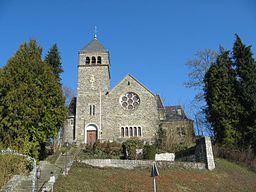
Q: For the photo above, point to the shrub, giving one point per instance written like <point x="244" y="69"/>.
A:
<point x="149" y="152"/>
<point x="112" y="149"/>
<point x="99" y="150"/>
<point x="247" y="157"/>
<point x="13" y="165"/>
<point x="130" y="146"/>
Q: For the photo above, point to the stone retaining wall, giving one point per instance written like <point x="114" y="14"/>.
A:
<point x="131" y="164"/>
<point x="15" y="181"/>
<point x="202" y="152"/>
<point x="11" y="184"/>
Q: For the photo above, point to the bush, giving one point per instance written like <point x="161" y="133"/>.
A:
<point x="112" y="149"/>
<point x="130" y="147"/>
<point x="149" y="152"/>
<point x="13" y="165"/>
<point x="99" y="150"/>
<point x="90" y="152"/>
<point x="247" y="157"/>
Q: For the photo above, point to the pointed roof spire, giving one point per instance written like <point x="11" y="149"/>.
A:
<point x="94" y="46"/>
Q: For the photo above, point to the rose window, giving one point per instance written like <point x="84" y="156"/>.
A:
<point x="130" y="101"/>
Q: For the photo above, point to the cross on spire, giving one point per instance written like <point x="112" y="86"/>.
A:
<point x="95" y="32"/>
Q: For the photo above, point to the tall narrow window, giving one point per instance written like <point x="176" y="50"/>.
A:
<point x="131" y="132"/>
<point x="87" y="60"/>
<point x="99" y="60"/>
<point x="139" y="131"/>
<point x="90" y="109"/>
<point x="71" y="122"/>
<point x="135" y="131"/>
<point x="93" y="110"/>
<point x="181" y="131"/>
<point x="122" y="132"/>
<point x="126" y="131"/>
<point x="93" y="60"/>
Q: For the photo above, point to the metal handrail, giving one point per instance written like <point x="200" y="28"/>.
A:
<point x="40" y="190"/>
<point x="14" y="152"/>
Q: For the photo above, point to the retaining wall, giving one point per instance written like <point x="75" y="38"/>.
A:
<point x="131" y="164"/>
<point x="202" y="152"/>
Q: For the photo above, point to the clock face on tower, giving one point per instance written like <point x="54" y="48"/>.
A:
<point x="130" y="101"/>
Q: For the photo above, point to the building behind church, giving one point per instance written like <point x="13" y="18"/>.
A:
<point x="127" y="110"/>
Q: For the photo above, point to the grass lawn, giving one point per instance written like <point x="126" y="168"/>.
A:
<point x="226" y="177"/>
<point x="52" y="158"/>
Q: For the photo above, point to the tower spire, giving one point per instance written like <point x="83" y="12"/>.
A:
<point x="95" y="32"/>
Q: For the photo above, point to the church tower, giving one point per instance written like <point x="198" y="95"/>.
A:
<point x="93" y="82"/>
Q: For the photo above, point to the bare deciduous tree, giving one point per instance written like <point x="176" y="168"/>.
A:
<point x="199" y="65"/>
<point x="68" y="93"/>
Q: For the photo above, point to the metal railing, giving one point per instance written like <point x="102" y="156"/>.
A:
<point x="13" y="152"/>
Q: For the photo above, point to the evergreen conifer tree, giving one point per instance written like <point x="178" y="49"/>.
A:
<point x="31" y="103"/>
<point x="245" y="66"/>
<point x="222" y="105"/>
<point x="54" y="60"/>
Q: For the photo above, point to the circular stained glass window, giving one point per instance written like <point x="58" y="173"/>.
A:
<point x="130" y="101"/>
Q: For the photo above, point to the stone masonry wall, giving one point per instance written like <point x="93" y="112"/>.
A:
<point x="131" y="164"/>
<point x="172" y="133"/>
<point x="68" y="130"/>
<point x="202" y="152"/>
<point x="115" y="116"/>
<point x="209" y="154"/>
<point x="91" y="81"/>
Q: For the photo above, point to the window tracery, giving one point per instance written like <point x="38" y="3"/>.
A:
<point x="130" y="101"/>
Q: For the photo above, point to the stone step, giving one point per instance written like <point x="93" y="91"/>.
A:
<point x="46" y="169"/>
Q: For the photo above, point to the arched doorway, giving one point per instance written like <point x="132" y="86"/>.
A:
<point x="91" y="134"/>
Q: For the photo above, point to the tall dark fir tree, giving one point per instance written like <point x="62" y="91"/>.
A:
<point x="54" y="60"/>
<point x="246" y="75"/>
<point x="223" y="108"/>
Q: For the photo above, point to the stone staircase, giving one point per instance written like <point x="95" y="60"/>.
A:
<point x="61" y="166"/>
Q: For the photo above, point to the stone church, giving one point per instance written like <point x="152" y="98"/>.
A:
<point x="127" y="110"/>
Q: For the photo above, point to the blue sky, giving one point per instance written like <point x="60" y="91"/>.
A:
<point x="151" y="40"/>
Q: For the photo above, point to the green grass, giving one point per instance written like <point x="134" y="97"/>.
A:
<point x="226" y="177"/>
<point x="52" y="158"/>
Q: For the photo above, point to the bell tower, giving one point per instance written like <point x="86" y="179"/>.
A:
<point x="93" y="82"/>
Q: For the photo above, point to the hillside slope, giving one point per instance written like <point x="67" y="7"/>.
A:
<point x="226" y="177"/>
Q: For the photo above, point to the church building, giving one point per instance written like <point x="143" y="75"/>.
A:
<point x="127" y="110"/>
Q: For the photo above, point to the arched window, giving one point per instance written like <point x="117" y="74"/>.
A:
<point x="139" y="131"/>
<point x="126" y="131"/>
<point x="87" y="61"/>
<point x="93" y="60"/>
<point x="135" y="131"/>
<point x="122" y="131"/>
<point x="131" y="132"/>
<point x="99" y="60"/>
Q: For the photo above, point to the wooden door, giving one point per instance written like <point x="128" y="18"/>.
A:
<point x="91" y="137"/>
